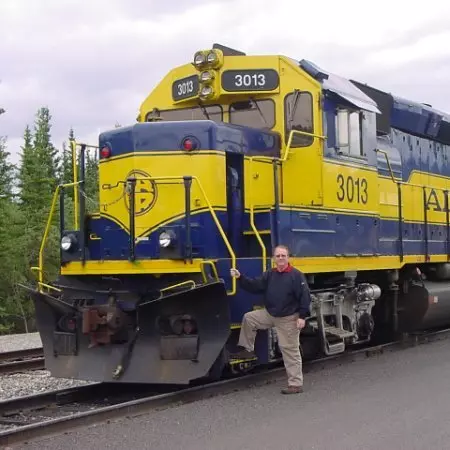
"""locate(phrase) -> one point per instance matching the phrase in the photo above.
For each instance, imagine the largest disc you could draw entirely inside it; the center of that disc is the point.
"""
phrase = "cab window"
(213, 112)
(299, 117)
(253, 113)
(349, 132)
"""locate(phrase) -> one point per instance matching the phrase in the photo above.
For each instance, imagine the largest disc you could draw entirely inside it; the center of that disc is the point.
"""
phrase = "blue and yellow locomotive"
(233, 154)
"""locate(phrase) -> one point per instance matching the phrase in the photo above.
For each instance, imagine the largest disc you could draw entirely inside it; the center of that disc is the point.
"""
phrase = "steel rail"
(19, 354)
(22, 360)
(190, 394)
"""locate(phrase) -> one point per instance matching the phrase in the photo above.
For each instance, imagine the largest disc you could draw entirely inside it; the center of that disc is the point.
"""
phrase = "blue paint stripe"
(311, 234)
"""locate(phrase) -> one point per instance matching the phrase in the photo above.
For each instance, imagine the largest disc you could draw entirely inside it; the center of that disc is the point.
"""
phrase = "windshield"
(213, 112)
(253, 113)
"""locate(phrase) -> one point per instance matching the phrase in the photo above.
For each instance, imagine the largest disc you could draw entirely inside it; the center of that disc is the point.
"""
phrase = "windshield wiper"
(154, 116)
(204, 111)
(294, 107)
(260, 112)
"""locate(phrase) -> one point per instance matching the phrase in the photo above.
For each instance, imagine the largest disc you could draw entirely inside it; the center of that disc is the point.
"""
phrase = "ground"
(399, 401)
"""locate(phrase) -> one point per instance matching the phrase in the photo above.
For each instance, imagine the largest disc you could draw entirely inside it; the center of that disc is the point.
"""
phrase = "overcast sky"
(93, 62)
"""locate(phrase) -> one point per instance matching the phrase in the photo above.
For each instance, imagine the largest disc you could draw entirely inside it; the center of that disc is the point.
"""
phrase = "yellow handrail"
(40, 268)
(183, 283)
(222, 233)
(214, 269)
(252, 218)
(398, 181)
(386, 156)
(214, 216)
(291, 137)
(264, 159)
(40, 284)
(73, 146)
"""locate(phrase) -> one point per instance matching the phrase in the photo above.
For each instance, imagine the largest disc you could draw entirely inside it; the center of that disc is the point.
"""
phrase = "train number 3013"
(353, 190)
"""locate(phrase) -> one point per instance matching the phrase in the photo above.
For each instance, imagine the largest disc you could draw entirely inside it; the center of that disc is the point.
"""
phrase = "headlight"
(199, 59)
(212, 58)
(206, 76)
(165, 239)
(206, 91)
(66, 243)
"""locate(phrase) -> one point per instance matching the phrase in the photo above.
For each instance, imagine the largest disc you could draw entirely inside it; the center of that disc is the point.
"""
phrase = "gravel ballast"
(29, 383)
(12, 342)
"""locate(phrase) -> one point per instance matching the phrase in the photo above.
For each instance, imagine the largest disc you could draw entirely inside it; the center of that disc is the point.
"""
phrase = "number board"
(250, 80)
(185, 88)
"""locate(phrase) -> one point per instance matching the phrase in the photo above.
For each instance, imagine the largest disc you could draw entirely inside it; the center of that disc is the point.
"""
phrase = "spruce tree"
(12, 303)
(37, 180)
(6, 171)
(6, 176)
(46, 153)
(28, 172)
(67, 163)
(91, 181)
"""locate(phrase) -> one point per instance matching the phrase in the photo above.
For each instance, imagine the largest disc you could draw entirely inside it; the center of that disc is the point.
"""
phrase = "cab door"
(235, 198)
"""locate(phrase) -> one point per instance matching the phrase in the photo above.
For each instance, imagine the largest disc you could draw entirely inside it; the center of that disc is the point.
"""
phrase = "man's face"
(281, 258)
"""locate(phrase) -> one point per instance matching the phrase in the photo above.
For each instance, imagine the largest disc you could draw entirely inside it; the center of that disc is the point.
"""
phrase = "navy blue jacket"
(285, 293)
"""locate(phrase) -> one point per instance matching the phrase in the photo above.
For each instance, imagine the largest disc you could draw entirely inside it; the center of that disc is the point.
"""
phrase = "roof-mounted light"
(199, 59)
(214, 58)
(206, 92)
(208, 58)
(206, 76)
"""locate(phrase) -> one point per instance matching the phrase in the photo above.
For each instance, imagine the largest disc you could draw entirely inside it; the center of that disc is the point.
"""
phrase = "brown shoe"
(292, 390)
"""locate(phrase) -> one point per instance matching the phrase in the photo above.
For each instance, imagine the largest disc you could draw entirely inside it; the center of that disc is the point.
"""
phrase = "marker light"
(105, 152)
(189, 143)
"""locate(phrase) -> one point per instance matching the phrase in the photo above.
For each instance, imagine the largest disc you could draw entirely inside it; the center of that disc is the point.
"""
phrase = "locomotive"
(231, 155)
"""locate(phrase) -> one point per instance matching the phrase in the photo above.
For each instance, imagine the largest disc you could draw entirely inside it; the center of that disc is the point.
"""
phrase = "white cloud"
(92, 63)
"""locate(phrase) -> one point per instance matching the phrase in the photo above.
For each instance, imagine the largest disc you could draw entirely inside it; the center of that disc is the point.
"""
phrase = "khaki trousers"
(288, 339)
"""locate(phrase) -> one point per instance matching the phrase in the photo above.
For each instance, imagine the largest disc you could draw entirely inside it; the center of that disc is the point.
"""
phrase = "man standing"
(286, 306)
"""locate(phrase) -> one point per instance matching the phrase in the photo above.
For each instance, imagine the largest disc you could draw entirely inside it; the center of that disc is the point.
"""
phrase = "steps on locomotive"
(339, 332)
(333, 348)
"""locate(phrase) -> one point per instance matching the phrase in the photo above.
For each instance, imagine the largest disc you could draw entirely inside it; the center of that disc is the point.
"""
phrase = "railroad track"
(22, 360)
(36, 416)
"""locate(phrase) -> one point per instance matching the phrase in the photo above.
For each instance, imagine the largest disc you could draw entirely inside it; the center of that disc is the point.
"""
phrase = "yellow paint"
(158, 202)
(350, 188)
(338, 264)
(154, 266)
(308, 182)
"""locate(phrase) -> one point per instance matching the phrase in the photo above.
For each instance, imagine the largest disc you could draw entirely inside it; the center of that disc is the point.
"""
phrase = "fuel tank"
(424, 305)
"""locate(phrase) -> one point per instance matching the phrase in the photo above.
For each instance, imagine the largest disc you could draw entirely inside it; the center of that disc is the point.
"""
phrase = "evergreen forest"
(26, 191)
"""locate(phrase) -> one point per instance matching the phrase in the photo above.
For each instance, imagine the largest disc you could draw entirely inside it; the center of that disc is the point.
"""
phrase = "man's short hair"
(284, 247)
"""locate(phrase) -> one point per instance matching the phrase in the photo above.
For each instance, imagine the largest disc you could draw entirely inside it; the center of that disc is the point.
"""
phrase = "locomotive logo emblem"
(146, 192)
